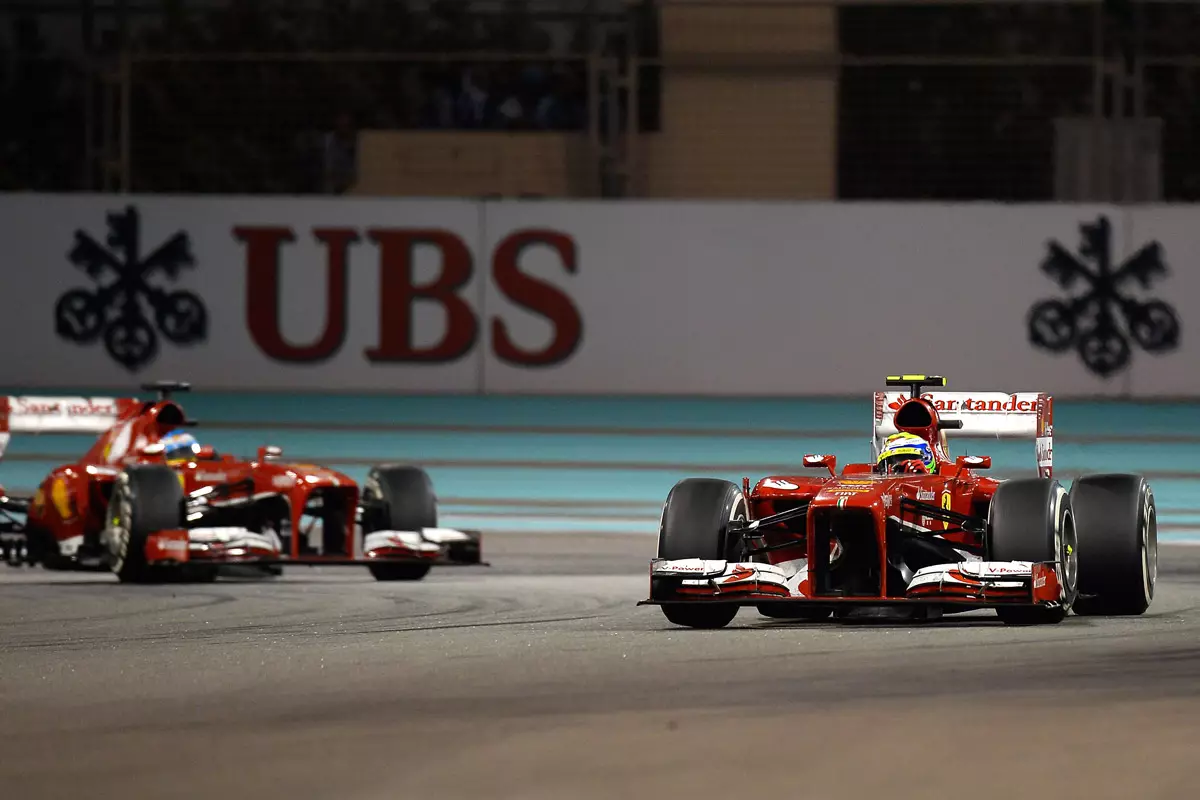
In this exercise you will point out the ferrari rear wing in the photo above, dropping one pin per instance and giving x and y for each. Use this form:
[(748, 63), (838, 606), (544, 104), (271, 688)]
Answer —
[(1017, 415), (30, 414)]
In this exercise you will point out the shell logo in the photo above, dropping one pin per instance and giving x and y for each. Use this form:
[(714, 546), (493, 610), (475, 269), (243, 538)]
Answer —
[(61, 499), (182, 480), (946, 506)]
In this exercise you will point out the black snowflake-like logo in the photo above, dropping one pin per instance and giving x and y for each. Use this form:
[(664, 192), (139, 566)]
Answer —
[(1088, 321), (120, 310)]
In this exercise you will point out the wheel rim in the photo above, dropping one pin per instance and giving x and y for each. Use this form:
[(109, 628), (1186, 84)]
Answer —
[(1149, 544), (119, 514), (1070, 555)]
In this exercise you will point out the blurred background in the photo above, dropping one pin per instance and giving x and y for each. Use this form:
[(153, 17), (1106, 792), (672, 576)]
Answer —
[(675, 102), (1042, 100)]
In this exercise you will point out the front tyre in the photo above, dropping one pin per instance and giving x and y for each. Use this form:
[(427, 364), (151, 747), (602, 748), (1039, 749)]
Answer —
[(700, 615), (695, 524), (1031, 520), (398, 497), (145, 499), (1118, 556)]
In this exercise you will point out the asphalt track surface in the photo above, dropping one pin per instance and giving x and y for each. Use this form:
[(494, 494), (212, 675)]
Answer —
[(540, 678)]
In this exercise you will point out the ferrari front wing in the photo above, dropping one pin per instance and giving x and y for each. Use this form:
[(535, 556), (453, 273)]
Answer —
[(978, 584), (436, 546), (241, 546)]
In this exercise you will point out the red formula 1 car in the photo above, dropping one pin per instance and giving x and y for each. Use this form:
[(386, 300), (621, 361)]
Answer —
[(900, 536), (124, 507)]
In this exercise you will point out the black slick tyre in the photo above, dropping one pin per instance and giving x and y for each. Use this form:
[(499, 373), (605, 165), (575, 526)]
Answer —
[(695, 524), (1118, 554), (1031, 520), (145, 499), (399, 498)]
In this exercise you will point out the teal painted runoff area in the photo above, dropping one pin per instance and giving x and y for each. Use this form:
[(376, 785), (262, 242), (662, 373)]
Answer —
[(607, 463)]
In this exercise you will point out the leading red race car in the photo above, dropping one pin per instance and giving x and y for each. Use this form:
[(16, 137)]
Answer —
[(124, 507), (900, 535)]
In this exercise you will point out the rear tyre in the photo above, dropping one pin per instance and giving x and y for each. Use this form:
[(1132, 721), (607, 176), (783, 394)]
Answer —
[(1031, 520), (695, 524), (1118, 558), (145, 499), (399, 498)]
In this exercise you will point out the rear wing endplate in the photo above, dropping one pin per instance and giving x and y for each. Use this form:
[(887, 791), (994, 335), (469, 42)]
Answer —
[(1020, 415), (30, 414)]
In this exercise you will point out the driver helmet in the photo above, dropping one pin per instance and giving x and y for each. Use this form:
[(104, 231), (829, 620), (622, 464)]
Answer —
[(179, 446), (902, 447)]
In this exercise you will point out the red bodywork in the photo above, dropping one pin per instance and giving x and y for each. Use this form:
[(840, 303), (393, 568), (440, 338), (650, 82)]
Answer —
[(954, 488), (70, 506), (820, 519)]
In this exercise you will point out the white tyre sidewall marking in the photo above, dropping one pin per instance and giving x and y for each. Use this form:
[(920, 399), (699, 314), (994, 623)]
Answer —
[(662, 523), (1148, 580), (739, 503), (738, 512), (1060, 517), (120, 535)]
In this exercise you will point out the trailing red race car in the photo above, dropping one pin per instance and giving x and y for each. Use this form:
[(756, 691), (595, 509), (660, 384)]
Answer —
[(914, 530), (149, 503)]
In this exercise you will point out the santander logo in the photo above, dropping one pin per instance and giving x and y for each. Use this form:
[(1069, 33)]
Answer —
[(1011, 404), (27, 407)]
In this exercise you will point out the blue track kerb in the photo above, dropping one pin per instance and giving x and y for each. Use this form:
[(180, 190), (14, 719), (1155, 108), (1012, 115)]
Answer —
[(599, 464)]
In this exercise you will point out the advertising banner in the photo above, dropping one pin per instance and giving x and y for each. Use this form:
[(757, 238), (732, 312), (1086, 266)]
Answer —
[(233, 292), (538, 297)]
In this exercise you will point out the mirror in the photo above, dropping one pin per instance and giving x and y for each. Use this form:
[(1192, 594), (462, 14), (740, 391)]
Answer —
[(206, 452), (269, 452), (828, 461), (973, 462)]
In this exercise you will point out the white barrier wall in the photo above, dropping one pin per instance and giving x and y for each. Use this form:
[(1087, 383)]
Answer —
[(594, 297)]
